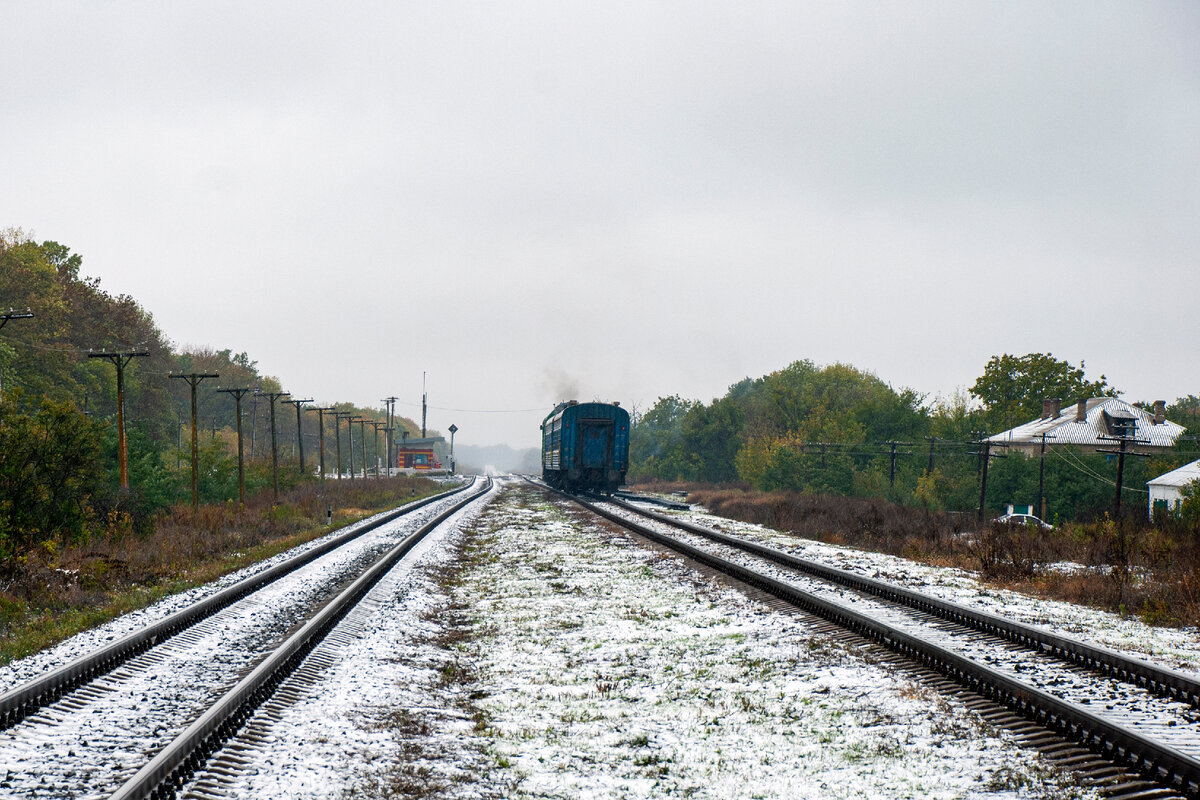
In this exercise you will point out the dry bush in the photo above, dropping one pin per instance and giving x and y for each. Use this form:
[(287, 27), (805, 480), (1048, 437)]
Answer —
[(867, 522), (1152, 570), (184, 540)]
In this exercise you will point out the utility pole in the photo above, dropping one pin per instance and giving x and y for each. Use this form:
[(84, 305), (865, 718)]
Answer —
[(120, 359), (193, 379), (321, 434), (892, 471), (929, 469), (273, 396), (1041, 498), (376, 425), (387, 436), (1123, 443), (350, 420), (985, 455), (424, 397), (362, 441), (987, 452), (5, 316), (238, 394), (338, 416), (391, 413), (299, 429), (254, 422)]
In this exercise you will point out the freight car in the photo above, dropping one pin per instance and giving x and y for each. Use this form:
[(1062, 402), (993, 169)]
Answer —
[(585, 447)]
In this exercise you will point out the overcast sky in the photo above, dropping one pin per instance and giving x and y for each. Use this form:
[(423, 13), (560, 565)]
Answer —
[(538, 201)]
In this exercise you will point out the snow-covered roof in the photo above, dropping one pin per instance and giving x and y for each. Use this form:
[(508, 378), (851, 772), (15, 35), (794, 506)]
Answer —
[(1178, 477), (1103, 417)]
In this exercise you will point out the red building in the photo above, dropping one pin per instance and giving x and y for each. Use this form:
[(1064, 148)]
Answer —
[(419, 454)]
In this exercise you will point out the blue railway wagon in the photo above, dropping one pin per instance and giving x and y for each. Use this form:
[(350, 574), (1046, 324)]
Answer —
[(585, 447)]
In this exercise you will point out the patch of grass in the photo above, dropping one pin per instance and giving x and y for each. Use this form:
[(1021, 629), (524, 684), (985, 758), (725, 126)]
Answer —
[(73, 589)]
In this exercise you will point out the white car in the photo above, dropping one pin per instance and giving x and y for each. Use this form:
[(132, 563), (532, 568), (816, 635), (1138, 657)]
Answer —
[(1023, 519)]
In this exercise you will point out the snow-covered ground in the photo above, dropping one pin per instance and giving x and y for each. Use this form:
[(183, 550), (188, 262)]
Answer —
[(538, 654), (1177, 648)]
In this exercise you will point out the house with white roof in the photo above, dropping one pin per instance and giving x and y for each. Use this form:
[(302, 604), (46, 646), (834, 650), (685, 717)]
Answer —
[(1166, 491), (1094, 422)]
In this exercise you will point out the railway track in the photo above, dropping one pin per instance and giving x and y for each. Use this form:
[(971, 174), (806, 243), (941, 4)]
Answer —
[(1060, 694), (87, 726)]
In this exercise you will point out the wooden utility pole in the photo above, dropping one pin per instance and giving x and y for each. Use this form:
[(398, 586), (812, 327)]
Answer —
[(254, 422), (376, 425), (321, 434), (391, 413), (1123, 442), (238, 394), (299, 429), (1041, 498), (273, 396), (985, 454), (120, 359), (338, 416), (387, 436), (362, 441), (193, 380), (350, 420)]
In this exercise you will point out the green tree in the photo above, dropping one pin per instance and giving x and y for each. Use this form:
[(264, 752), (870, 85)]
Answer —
[(1186, 412), (711, 435), (656, 442), (1012, 388), (49, 471)]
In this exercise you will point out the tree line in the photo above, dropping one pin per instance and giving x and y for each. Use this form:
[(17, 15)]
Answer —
[(58, 437), (842, 431)]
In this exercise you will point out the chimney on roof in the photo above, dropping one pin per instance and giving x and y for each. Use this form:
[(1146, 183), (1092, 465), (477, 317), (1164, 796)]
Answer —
[(1160, 412), (1081, 410), (1051, 408)]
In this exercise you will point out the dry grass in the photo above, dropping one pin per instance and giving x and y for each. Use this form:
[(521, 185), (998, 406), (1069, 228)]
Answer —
[(1132, 567), (60, 592)]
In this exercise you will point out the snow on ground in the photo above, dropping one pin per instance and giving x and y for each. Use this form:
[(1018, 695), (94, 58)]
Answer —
[(535, 654), (383, 721), (1171, 647), (84, 643), (601, 669)]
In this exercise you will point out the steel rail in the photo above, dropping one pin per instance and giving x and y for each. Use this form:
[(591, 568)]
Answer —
[(23, 700), (1158, 762), (1159, 680), (172, 766)]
